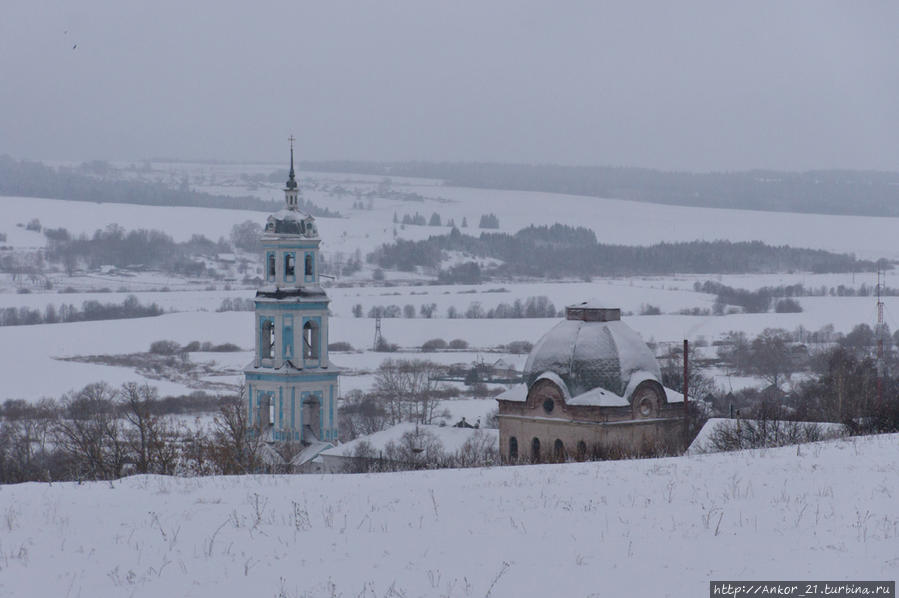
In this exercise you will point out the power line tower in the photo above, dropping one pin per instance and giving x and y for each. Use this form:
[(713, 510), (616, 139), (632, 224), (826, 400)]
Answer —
[(881, 366), (377, 333)]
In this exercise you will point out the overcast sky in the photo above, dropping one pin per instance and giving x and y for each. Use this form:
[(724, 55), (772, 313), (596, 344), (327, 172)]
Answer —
[(674, 85)]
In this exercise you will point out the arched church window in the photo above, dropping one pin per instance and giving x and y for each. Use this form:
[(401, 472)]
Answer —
[(513, 449), (289, 265), (310, 265), (535, 450), (271, 266), (267, 340), (266, 408), (287, 339), (558, 451), (311, 340), (581, 450)]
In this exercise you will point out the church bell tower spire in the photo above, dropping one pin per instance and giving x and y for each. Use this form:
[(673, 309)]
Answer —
[(291, 191)]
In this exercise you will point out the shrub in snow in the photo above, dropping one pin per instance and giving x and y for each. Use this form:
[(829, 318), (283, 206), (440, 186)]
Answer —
[(164, 347), (787, 306), (519, 347), (384, 346), (650, 310), (435, 344)]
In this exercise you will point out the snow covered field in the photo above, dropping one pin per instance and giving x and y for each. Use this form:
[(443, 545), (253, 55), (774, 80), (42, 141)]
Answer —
[(655, 527), (29, 370), (614, 221)]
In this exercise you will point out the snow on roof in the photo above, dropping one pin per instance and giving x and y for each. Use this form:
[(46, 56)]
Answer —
[(593, 303), (557, 380), (673, 396), (599, 397), (638, 377), (285, 214), (703, 441), (288, 365), (291, 222), (310, 291), (517, 393), (310, 452), (592, 311), (450, 437)]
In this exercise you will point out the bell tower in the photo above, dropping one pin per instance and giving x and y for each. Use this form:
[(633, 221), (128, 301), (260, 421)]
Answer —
[(291, 384)]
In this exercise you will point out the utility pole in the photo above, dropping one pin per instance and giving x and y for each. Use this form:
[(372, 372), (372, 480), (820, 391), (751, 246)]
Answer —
[(686, 392), (377, 333), (880, 329)]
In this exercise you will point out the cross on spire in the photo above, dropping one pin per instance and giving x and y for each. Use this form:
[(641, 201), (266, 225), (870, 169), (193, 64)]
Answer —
[(291, 139), (291, 180)]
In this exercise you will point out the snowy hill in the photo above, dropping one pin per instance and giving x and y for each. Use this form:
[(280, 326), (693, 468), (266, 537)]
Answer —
[(659, 527)]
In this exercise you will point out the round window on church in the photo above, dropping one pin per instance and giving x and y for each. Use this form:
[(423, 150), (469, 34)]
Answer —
[(646, 407), (548, 405)]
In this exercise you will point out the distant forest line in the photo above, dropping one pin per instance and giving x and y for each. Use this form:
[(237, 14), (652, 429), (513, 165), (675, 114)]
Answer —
[(866, 193), (88, 183), (561, 250)]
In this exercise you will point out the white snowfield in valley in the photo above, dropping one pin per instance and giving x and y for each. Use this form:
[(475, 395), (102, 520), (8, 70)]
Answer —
[(30, 370), (613, 220), (653, 527)]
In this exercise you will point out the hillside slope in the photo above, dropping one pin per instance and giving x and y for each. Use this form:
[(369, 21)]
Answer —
[(653, 528)]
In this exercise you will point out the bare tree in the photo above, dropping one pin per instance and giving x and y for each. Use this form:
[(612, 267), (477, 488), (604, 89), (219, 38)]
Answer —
[(137, 403), (478, 451), (360, 415), (89, 433), (236, 444), (416, 449), (771, 356), (25, 443), (287, 451), (409, 389)]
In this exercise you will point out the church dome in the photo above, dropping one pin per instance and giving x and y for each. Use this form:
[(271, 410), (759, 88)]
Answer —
[(592, 348)]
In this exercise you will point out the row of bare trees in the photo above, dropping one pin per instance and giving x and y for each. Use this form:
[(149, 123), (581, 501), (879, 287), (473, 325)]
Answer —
[(405, 390), (422, 449), (100, 432)]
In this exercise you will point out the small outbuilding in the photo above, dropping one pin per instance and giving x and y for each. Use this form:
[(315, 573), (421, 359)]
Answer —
[(592, 389)]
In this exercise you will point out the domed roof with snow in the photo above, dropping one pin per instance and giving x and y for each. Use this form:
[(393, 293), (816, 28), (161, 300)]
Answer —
[(592, 348)]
